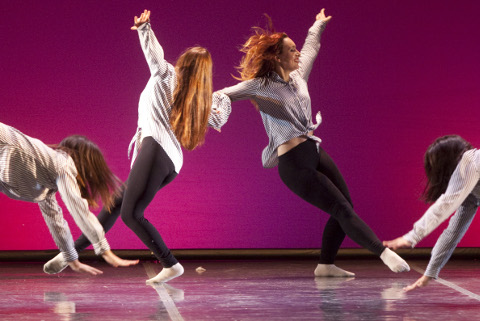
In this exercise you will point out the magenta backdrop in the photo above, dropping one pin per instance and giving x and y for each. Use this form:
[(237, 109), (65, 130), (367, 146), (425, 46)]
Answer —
[(391, 77)]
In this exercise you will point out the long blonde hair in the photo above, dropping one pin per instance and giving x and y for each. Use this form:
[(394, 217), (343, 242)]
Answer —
[(192, 98)]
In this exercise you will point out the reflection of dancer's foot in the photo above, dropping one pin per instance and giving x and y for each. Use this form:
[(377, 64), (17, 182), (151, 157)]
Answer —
[(330, 283), (330, 270), (167, 274), (176, 294), (394, 262), (55, 265)]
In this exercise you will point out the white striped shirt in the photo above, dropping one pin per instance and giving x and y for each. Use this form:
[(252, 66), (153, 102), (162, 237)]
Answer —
[(462, 183), (33, 172), (285, 107), (155, 102)]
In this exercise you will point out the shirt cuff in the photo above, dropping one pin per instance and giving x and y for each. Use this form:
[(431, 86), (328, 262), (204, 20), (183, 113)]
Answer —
[(143, 26), (71, 255), (101, 247), (412, 238)]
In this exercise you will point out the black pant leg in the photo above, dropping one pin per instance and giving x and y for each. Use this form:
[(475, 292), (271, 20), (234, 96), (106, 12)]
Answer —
[(151, 171)]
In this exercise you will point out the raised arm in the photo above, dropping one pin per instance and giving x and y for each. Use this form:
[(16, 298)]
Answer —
[(152, 49), (311, 47)]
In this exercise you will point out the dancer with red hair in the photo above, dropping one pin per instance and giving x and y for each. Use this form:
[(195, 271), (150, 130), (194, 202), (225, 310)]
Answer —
[(274, 77)]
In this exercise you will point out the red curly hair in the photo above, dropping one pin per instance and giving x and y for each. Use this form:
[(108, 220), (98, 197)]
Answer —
[(260, 50)]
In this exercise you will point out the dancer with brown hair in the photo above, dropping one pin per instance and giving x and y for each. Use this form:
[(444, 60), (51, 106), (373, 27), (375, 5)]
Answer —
[(175, 109), (274, 77), (452, 167), (32, 171)]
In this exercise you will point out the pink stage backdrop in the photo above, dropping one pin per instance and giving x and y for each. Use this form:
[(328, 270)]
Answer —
[(390, 78)]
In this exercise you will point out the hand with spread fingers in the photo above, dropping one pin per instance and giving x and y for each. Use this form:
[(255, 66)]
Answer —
[(144, 17), (321, 16)]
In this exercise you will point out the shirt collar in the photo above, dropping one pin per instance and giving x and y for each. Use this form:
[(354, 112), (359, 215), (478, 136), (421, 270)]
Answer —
[(276, 77)]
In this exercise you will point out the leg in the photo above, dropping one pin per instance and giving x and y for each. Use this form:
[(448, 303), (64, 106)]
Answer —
[(107, 219), (333, 234), (297, 170), (151, 171)]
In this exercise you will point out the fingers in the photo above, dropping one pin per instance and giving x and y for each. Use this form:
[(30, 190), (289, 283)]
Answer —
[(85, 269), (390, 244), (92, 271), (422, 282), (411, 287), (321, 16), (124, 263), (144, 17), (398, 243)]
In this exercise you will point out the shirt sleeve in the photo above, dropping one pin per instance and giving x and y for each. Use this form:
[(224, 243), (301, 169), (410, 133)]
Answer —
[(241, 91), (53, 216), (221, 109), (461, 184), (78, 208), (310, 49), (451, 236), (152, 50)]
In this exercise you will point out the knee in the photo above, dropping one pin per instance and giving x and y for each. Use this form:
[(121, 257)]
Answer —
[(128, 219), (342, 210)]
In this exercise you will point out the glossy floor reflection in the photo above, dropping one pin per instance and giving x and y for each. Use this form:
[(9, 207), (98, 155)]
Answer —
[(239, 290)]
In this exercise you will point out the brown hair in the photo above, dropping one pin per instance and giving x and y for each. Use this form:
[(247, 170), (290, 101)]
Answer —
[(95, 179), (192, 98), (441, 159), (260, 50)]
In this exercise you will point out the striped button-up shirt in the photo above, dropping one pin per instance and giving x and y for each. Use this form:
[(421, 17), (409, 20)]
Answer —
[(462, 183), (155, 102), (285, 107), (31, 171)]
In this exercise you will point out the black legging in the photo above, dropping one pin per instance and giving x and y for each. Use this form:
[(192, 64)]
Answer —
[(107, 219), (151, 171), (313, 176)]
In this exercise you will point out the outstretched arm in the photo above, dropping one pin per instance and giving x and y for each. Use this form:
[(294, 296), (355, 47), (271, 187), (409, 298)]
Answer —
[(311, 47), (152, 49), (244, 90)]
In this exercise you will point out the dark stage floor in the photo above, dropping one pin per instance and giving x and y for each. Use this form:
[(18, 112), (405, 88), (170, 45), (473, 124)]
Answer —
[(240, 290)]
